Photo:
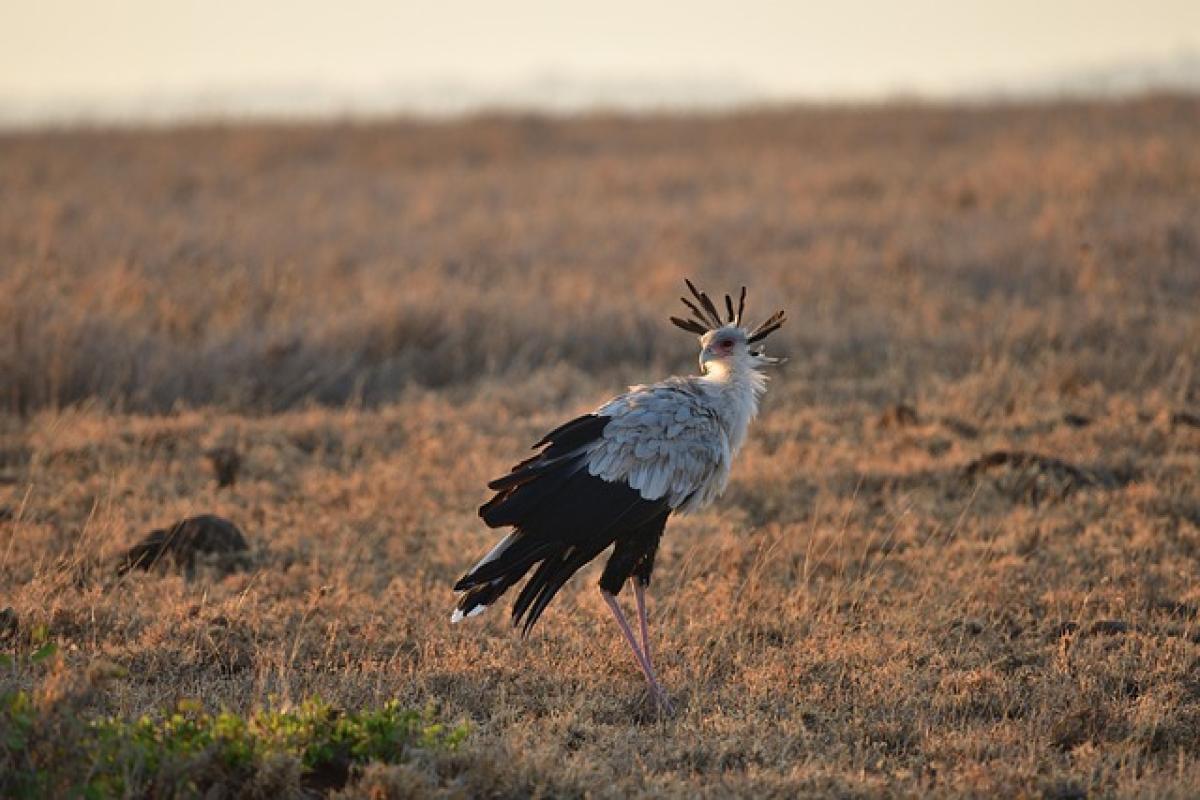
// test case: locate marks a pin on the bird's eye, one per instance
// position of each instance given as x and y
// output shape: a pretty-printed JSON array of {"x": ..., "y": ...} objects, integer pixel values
[{"x": 726, "y": 343}]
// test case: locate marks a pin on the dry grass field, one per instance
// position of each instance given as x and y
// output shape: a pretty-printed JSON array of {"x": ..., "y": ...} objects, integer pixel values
[{"x": 958, "y": 557}]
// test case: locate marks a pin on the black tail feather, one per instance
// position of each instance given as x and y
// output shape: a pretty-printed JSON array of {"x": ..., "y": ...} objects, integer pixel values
[
  {"x": 533, "y": 586},
  {"x": 545, "y": 583},
  {"x": 519, "y": 557},
  {"x": 483, "y": 595}
]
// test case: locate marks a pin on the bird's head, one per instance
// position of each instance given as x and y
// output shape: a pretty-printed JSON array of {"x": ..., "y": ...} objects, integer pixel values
[{"x": 725, "y": 345}]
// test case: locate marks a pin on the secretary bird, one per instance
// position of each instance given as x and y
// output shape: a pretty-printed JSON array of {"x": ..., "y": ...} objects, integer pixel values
[{"x": 612, "y": 477}]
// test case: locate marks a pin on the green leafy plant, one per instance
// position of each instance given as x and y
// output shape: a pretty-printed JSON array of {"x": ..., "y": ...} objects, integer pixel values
[{"x": 190, "y": 750}]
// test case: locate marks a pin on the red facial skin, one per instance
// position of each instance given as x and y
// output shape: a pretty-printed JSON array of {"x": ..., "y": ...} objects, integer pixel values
[{"x": 722, "y": 348}]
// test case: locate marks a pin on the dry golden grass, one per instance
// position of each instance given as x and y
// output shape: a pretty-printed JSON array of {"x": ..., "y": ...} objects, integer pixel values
[{"x": 379, "y": 318}]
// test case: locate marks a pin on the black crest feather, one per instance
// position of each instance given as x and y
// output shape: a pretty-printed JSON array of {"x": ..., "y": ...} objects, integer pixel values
[
  {"x": 769, "y": 326},
  {"x": 705, "y": 316}
]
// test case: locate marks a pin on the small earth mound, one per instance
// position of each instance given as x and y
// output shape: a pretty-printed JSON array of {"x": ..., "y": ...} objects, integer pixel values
[
  {"x": 1035, "y": 478},
  {"x": 202, "y": 540}
]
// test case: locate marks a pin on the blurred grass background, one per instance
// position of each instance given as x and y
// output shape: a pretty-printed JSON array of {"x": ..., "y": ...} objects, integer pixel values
[{"x": 257, "y": 268}]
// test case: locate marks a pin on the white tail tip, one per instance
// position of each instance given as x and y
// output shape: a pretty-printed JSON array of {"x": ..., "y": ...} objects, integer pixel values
[{"x": 459, "y": 616}]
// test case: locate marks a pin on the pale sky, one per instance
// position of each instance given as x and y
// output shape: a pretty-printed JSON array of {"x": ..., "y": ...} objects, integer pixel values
[{"x": 102, "y": 50}]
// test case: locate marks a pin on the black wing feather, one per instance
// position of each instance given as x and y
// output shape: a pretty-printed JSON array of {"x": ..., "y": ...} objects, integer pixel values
[
  {"x": 539, "y": 477},
  {"x": 575, "y": 433},
  {"x": 562, "y": 517}
]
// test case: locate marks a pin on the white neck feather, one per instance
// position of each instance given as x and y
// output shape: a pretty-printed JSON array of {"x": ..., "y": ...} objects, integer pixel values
[{"x": 737, "y": 388}]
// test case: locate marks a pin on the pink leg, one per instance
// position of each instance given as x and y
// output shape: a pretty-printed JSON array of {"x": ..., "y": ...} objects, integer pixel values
[
  {"x": 660, "y": 696},
  {"x": 639, "y": 592}
]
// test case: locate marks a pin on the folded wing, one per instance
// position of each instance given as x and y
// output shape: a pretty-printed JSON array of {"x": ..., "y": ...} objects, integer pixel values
[{"x": 608, "y": 477}]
